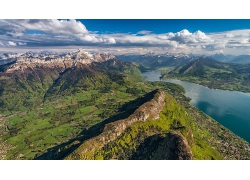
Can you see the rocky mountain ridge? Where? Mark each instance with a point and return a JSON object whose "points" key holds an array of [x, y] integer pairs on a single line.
{"points": [[177, 146], [111, 131], [32, 60], [168, 54]]}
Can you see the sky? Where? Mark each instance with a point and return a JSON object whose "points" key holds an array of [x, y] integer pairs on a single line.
{"points": [[121, 36]]}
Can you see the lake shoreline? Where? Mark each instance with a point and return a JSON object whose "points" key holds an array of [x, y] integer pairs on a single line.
{"points": [[229, 108], [224, 89]]}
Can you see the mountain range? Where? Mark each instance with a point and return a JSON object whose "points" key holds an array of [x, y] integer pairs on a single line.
{"points": [[80, 105], [153, 59], [149, 59]]}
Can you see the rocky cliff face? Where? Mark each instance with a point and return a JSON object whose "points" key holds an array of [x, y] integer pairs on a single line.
{"points": [[69, 60], [148, 110]]}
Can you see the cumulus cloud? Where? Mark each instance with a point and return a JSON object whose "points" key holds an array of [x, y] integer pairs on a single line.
{"points": [[215, 46], [53, 26], [13, 33], [144, 32], [10, 29], [1, 44], [49, 26], [21, 44], [11, 43], [232, 39], [148, 40], [186, 37], [229, 35]]}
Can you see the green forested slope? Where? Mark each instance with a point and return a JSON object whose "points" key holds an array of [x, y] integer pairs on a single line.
{"points": [[213, 74]]}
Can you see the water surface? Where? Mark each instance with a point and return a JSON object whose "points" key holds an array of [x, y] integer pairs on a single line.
{"points": [[229, 108]]}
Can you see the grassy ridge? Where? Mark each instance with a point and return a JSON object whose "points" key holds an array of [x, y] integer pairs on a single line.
{"points": [[229, 145], [146, 134]]}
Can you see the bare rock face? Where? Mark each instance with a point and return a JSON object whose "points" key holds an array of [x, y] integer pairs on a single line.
{"points": [[29, 60], [150, 109]]}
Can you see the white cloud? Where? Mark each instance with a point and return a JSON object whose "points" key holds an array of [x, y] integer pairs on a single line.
{"points": [[215, 46], [110, 41], [21, 44], [186, 37], [230, 35], [73, 33], [89, 38], [50, 26], [11, 43], [1, 44], [10, 29], [144, 32], [232, 39]]}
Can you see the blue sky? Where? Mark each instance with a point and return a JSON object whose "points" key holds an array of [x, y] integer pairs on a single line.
{"points": [[165, 25], [140, 36]]}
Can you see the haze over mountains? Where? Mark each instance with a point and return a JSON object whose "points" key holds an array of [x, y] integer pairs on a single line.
{"points": [[241, 59], [150, 59]]}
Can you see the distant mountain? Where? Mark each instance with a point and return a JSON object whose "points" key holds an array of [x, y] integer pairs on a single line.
{"points": [[221, 57], [242, 59], [31, 60], [153, 60], [2, 62], [7, 57], [33, 75], [127, 57], [214, 74], [198, 65]]}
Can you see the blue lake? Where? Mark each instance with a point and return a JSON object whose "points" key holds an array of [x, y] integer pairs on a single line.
{"points": [[229, 108]]}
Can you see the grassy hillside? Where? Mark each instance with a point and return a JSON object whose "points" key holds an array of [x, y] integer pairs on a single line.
{"points": [[213, 74], [150, 139], [40, 115], [146, 140], [229, 145]]}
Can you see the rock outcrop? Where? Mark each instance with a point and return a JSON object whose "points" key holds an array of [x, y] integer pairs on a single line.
{"points": [[149, 110]]}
